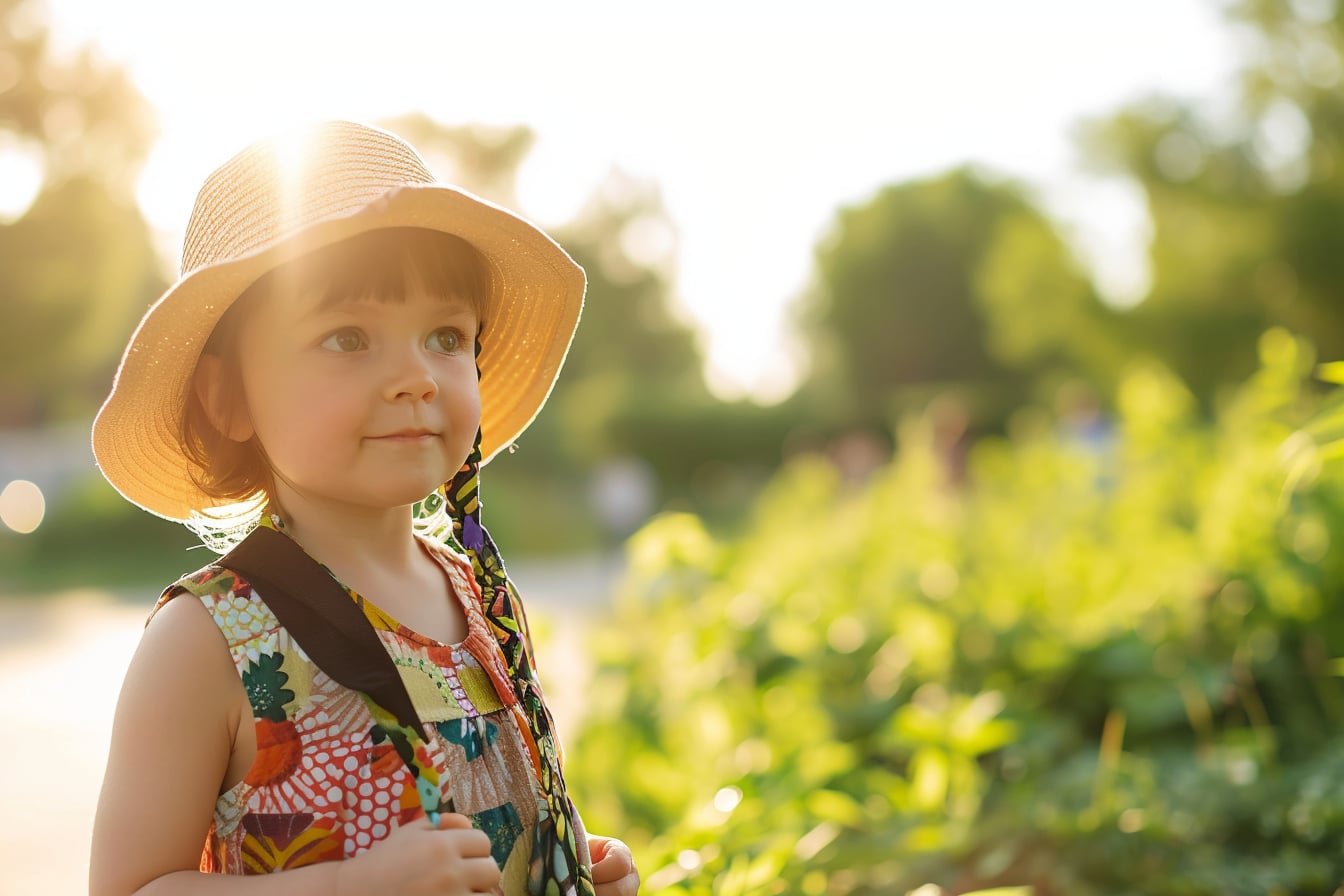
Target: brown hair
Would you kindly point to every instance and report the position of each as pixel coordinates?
(383, 265)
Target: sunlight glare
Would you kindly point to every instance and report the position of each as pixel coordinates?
(649, 241)
(1105, 220)
(293, 152)
(756, 364)
(557, 177)
(20, 177)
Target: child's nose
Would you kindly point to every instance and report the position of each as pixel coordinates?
(412, 379)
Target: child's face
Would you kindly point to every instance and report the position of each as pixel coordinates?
(370, 404)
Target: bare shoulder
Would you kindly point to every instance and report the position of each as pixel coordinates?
(182, 652)
(172, 737)
(181, 657)
(183, 616)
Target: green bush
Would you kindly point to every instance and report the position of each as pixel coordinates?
(1098, 667)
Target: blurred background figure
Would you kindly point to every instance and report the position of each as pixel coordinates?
(623, 493)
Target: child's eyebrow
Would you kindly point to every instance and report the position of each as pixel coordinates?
(336, 300)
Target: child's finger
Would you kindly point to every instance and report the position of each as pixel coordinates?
(451, 820)
(470, 843)
(616, 863)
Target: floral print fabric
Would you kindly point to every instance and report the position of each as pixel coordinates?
(325, 784)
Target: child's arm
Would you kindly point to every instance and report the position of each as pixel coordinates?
(172, 738)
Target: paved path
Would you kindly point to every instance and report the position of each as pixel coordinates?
(62, 658)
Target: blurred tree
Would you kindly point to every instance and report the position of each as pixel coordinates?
(84, 114)
(1216, 281)
(482, 158)
(79, 269)
(955, 282)
(1293, 101)
(631, 352)
(1245, 204)
(1041, 311)
(78, 264)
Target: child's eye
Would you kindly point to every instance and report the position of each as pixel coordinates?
(446, 340)
(347, 340)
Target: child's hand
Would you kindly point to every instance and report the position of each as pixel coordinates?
(614, 872)
(421, 860)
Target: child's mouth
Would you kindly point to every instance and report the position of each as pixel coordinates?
(406, 435)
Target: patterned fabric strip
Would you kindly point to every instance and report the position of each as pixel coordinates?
(555, 869)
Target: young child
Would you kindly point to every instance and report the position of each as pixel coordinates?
(349, 343)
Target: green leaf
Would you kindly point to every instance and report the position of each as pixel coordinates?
(833, 805)
(1328, 421)
(1331, 372)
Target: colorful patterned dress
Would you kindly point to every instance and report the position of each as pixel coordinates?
(323, 787)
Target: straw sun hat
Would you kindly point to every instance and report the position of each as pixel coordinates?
(279, 199)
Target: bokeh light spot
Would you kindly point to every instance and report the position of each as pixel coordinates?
(1131, 821)
(938, 579)
(727, 799)
(846, 634)
(22, 506)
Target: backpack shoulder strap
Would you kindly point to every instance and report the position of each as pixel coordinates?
(322, 618)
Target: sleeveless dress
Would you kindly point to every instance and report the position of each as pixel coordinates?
(321, 788)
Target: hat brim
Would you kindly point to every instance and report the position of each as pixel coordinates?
(537, 296)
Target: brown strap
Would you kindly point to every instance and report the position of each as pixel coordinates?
(321, 617)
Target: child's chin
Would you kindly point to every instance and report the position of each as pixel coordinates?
(411, 494)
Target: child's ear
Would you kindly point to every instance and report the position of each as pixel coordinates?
(221, 399)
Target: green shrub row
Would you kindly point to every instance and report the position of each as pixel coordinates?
(1102, 664)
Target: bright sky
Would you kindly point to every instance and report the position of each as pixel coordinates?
(757, 119)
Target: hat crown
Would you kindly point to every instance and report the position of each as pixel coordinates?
(279, 185)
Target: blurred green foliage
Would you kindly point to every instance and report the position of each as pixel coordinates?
(1109, 664)
(78, 264)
